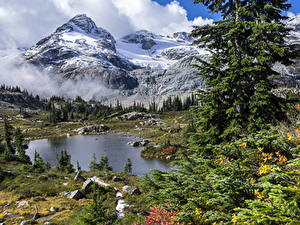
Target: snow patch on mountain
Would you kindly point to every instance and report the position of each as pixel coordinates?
(164, 50)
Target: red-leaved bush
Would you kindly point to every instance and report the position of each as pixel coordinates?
(160, 216)
(169, 150)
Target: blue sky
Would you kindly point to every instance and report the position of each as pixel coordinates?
(199, 10)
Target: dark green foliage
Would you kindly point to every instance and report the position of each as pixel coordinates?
(2, 175)
(64, 162)
(103, 165)
(178, 104)
(189, 130)
(78, 167)
(244, 47)
(38, 166)
(2, 147)
(96, 213)
(8, 131)
(221, 184)
(19, 145)
(128, 167)
(8, 156)
(239, 170)
(93, 164)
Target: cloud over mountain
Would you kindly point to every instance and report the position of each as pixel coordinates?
(24, 22)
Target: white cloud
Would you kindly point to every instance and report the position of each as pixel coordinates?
(27, 21)
(199, 21)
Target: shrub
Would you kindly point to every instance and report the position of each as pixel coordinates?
(38, 166)
(96, 213)
(159, 215)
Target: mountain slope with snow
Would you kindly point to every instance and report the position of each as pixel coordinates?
(141, 66)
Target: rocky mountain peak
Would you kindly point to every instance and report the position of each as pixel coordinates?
(182, 37)
(83, 24)
(79, 23)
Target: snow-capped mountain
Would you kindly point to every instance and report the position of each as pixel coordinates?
(140, 66)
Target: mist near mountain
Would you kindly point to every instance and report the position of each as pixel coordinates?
(15, 71)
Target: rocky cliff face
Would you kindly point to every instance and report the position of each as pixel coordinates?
(141, 66)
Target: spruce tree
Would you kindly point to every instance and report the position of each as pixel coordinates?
(244, 46)
(19, 145)
(104, 164)
(93, 164)
(233, 173)
(8, 137)
(64, 162)
(128, 167)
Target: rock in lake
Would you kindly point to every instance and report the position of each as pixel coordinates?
(138, 143)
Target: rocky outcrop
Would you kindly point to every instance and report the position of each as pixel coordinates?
(87, 186)
(153, 122)
(135, 116)
(93, 128)
(76, 195)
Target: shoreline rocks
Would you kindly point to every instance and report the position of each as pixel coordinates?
(141, 143)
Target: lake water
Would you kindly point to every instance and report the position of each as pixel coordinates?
(82, 147)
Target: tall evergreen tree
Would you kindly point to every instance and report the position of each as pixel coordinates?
(64, 162)
(225, 176)
(8, 131)
(244, 46)
(128, 167)
(19, 145)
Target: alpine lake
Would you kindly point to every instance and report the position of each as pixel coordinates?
(82, 147)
